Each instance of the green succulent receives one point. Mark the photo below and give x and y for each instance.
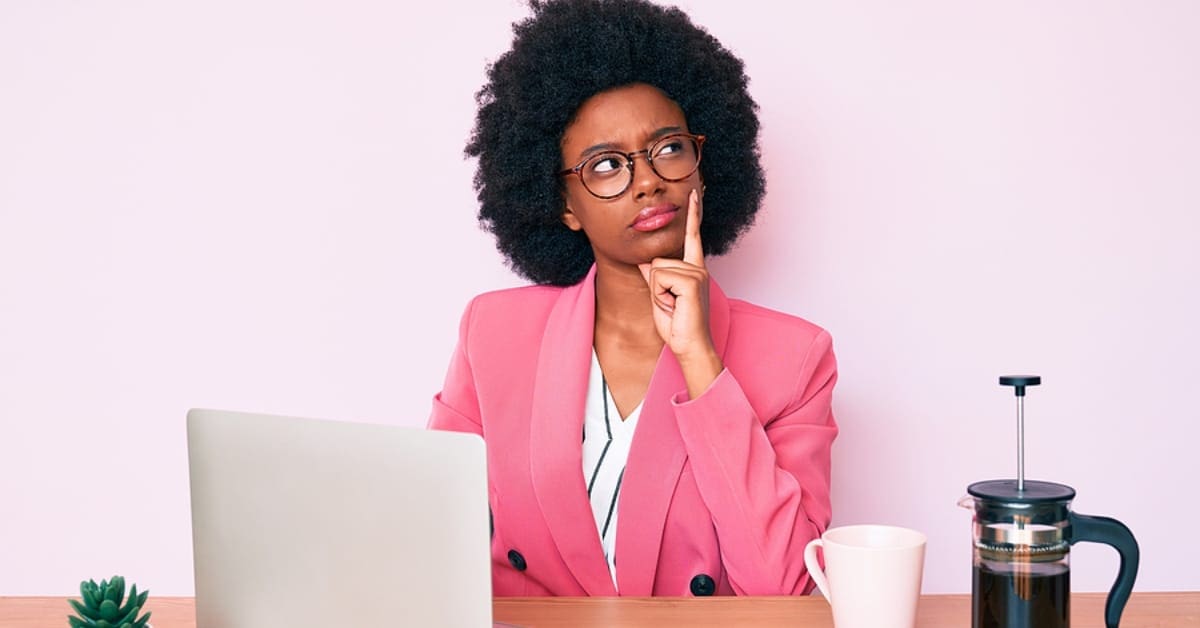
(102, 608)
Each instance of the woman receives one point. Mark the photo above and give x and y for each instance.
(617, 147)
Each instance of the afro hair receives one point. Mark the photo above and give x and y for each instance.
(569, 51)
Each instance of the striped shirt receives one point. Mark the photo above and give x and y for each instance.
(606, 441)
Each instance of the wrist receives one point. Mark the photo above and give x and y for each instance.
(702, 356)
(700, 370)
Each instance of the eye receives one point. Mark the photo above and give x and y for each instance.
(604, 165)
(669, 148)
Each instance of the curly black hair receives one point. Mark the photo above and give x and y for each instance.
(569, 51)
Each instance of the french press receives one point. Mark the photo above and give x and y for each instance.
(1024, 530)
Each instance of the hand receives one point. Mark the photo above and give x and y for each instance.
(679, 293)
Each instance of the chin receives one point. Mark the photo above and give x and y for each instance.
(645, 247)
(672, 245)
(675, 252)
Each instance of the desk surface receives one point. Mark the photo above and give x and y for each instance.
(1161, 610)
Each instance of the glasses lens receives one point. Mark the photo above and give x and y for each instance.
(675, 157)
(606, 174)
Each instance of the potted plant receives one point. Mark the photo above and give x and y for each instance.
(102, 605)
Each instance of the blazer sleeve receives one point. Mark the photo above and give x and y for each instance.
(456, 407)
(766, 483)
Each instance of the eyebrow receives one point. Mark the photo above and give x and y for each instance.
(607, 146)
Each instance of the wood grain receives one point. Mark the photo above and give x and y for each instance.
(1145, 610)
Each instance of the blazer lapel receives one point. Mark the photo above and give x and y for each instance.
(556, 451)
(656, 459)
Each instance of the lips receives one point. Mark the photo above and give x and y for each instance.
(656, 217)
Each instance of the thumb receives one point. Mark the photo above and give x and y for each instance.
(645, 268)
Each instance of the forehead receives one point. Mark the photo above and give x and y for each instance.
(625, 116)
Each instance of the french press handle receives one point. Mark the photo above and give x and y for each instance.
(1108, 531)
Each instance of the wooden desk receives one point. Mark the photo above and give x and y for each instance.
(1157, 610)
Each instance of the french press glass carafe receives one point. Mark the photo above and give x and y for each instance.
(1024, 530)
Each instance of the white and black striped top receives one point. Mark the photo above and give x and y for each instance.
(606, 441)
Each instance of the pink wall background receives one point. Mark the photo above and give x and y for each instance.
(262, 205)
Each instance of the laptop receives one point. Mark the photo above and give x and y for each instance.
(302, 522)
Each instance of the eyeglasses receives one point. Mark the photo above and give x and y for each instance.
(607, 175)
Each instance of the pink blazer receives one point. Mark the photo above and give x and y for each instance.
(720, 493)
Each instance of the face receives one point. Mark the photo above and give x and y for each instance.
(648, 219)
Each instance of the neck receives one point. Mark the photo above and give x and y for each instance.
(623, 304)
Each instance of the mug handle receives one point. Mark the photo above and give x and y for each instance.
(814, 566)
(1110, 532)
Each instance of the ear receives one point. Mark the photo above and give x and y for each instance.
(570, 220)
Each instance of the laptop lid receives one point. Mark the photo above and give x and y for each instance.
(302, 522)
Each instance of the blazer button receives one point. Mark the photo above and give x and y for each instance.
(703, 585)
(516, 560)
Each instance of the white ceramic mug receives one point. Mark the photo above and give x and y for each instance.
(872, 575)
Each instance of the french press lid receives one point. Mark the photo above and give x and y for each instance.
(1035, 492)
(1036, 516)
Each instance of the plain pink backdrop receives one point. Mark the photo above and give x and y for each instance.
(225, 204)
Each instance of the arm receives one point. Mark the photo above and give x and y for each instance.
(766, 483)
(456, 408)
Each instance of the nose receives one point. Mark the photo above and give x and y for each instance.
(646, 181)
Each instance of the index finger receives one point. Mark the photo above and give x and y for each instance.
(693, 249)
